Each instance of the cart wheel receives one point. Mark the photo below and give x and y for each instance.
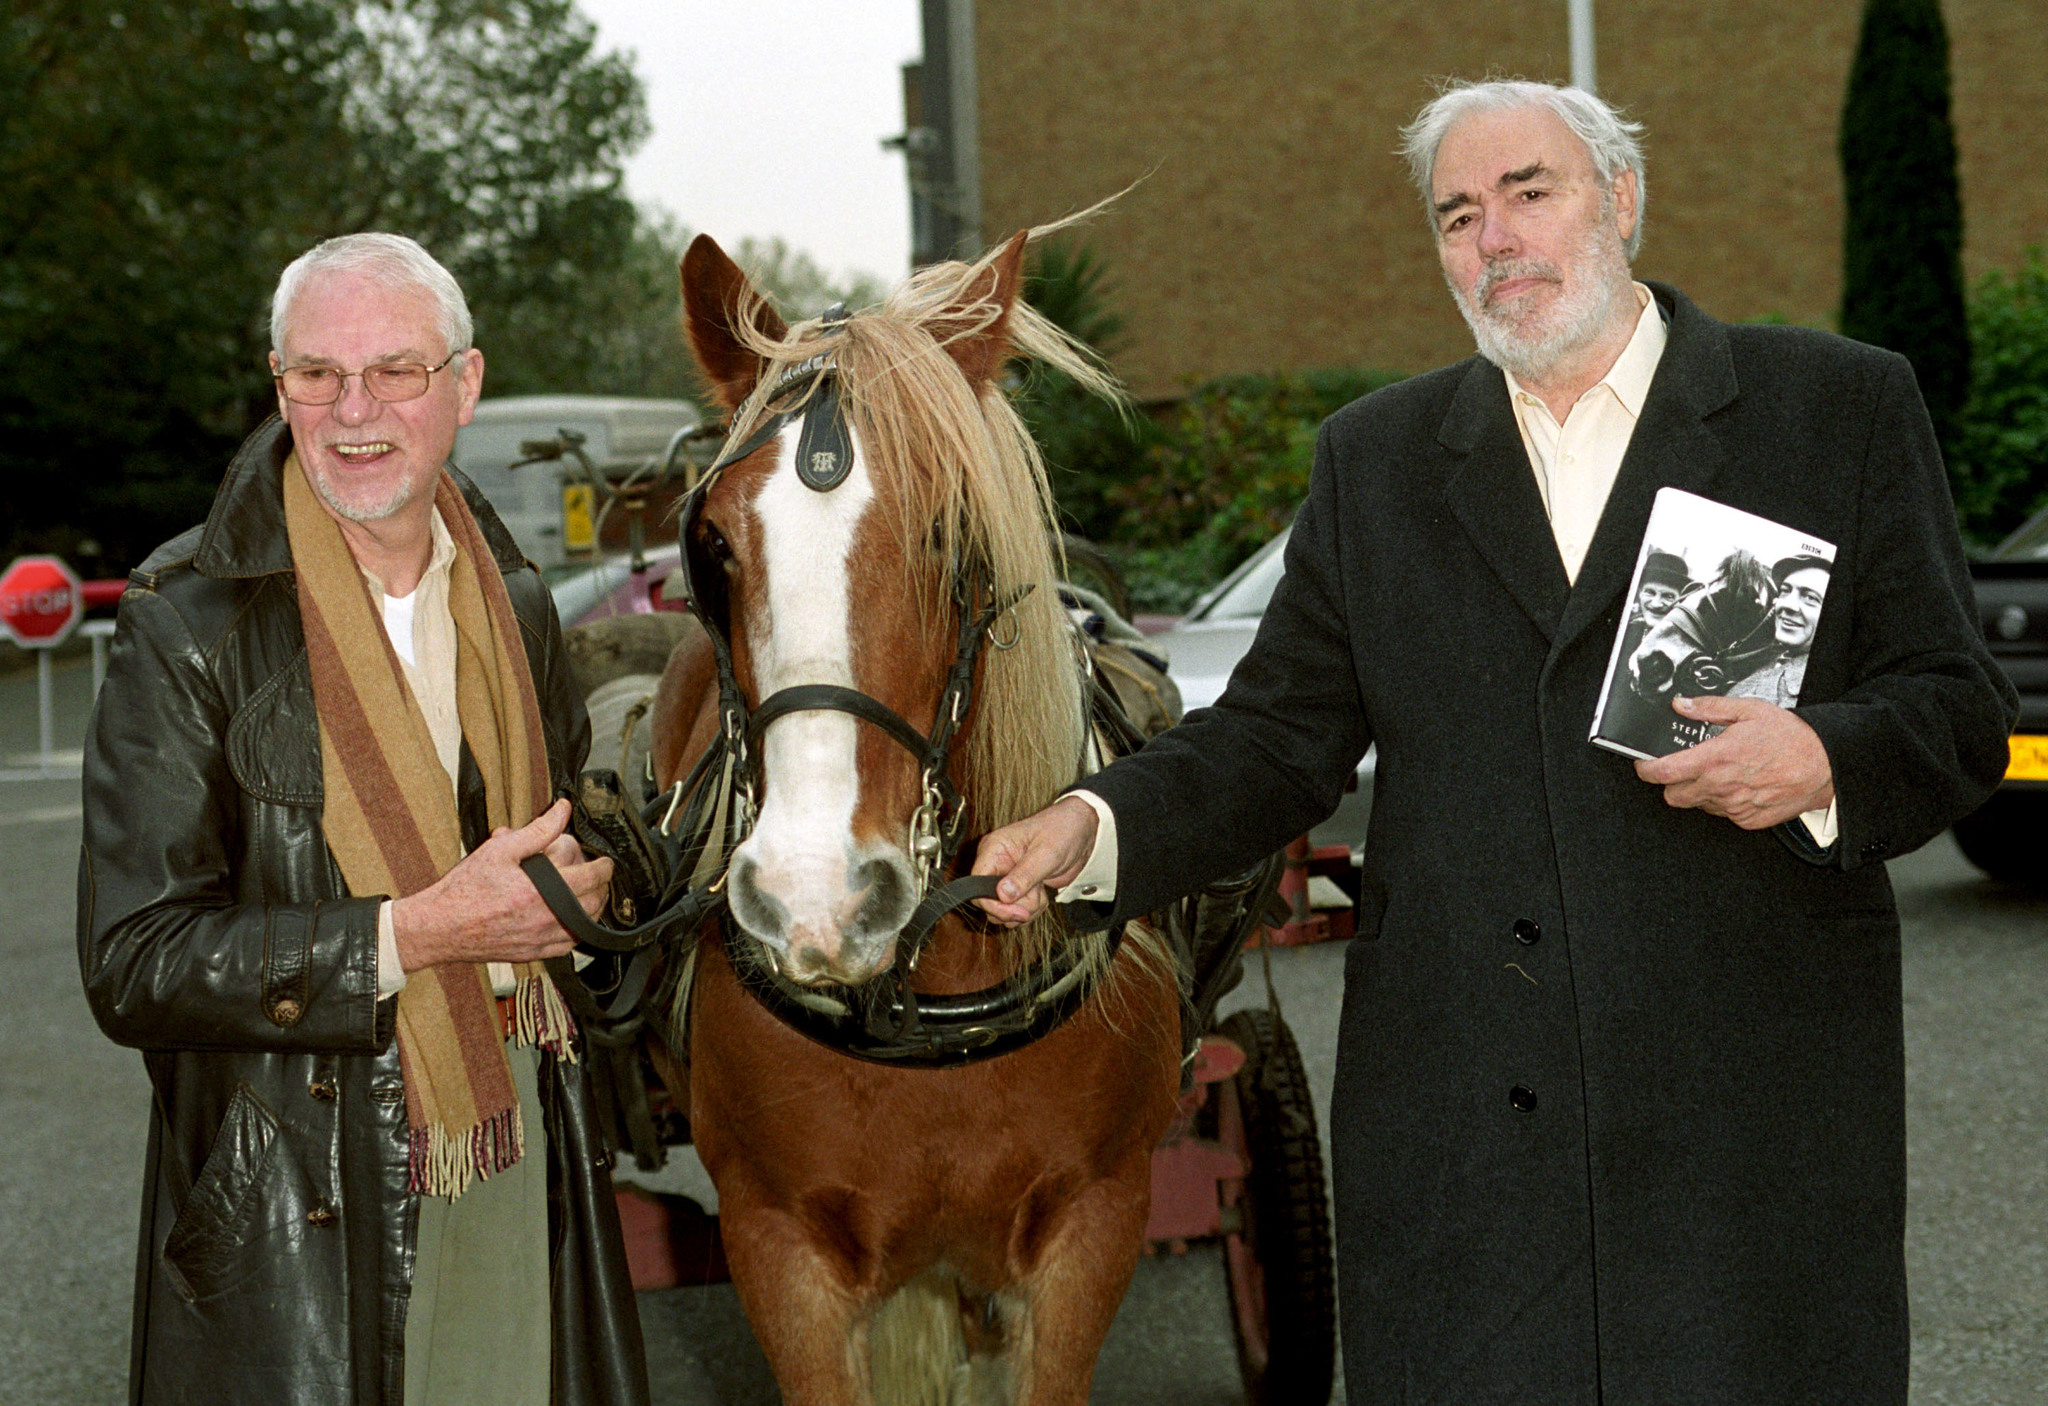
(618, 645)
(1282, 1275)
(1088, 565)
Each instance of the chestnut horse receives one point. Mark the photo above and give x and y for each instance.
(901, 1234)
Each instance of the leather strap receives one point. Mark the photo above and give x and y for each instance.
(830, 697)
(877, 1024)
(941, 901)
(687, 911)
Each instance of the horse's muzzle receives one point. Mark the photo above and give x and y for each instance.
(831, 922)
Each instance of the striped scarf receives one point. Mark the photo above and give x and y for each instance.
(390, 818)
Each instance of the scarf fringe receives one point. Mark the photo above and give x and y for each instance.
(444, 1163)
(542, 1018)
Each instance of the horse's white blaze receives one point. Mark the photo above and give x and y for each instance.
(802, 854)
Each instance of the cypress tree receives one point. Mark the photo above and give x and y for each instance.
(1902, 270)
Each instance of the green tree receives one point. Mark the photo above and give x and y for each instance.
(148, 150)
(165, 158)
(2000, 465)
(796, 283)
(1902, 273)
(494, 133)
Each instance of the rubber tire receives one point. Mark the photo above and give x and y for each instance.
(1289, 1217)
(1088, 565)
(618, 645)
(2007, 837)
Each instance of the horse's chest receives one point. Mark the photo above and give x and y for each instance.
(784, 1117)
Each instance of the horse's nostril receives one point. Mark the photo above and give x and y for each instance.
(886, 905)
(760, 913)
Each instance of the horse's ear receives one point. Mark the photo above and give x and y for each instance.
(982, 351)
(716, 294)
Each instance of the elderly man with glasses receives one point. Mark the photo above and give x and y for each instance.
(334, 721)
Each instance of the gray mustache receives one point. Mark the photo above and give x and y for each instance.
(1497, 274)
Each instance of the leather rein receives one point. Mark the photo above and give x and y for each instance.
(698, 823)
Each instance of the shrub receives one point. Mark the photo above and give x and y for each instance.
(1999, 469)
(1227, 471)
(1178, 500)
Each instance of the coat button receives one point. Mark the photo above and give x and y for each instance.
(322, 1215)
(324, 1090)
(1528, 931)
(285, 1011)
(1522, 1099)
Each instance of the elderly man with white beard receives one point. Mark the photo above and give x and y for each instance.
(1619, 1112)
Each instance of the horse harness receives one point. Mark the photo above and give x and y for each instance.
(681, 844)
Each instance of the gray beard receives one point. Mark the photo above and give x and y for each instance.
(1590, 298)
(358, 512)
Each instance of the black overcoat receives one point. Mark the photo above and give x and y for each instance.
(216, 935)
(1619, 1114)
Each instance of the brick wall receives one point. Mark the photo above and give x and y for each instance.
(1276, 229)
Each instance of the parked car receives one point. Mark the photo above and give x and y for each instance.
(2008, 836)
(1207, 643)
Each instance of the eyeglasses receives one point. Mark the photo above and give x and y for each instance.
(387, 380)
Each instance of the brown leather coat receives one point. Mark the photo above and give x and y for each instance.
(216, 936)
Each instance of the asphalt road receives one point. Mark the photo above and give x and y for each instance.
(74, 1107)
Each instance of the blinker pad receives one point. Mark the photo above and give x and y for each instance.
(824, 455)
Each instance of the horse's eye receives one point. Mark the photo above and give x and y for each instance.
(713, 542)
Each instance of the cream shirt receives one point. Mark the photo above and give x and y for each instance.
(1575, 464)
(422, 631)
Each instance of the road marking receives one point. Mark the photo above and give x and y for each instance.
(43, 816)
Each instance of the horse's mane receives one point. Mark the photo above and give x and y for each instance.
(1747, 576)
(961, 464)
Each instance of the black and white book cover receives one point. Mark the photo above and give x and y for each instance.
(1722, 602)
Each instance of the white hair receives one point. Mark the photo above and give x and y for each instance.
(390, 259)
(1612, 141)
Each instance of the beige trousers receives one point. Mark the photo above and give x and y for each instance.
(476, 1333)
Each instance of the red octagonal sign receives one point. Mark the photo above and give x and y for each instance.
(40, 602)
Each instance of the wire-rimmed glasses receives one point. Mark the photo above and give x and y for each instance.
(384, 380)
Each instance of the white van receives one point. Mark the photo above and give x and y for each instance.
(619, 434)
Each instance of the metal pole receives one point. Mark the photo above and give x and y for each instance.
(46, 705)
(1583, 75)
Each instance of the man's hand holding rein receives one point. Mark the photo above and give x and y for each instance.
(485, 909)
(1036, 857)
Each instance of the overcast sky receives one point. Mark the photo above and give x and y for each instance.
(768, 120)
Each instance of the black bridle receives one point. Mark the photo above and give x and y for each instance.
(883, 1020)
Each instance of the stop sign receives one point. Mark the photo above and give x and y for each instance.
(40, 602)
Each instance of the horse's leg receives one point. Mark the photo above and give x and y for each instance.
(797, 1253)
(812, 1328)
(1077, 1234)
(1071, 1295)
